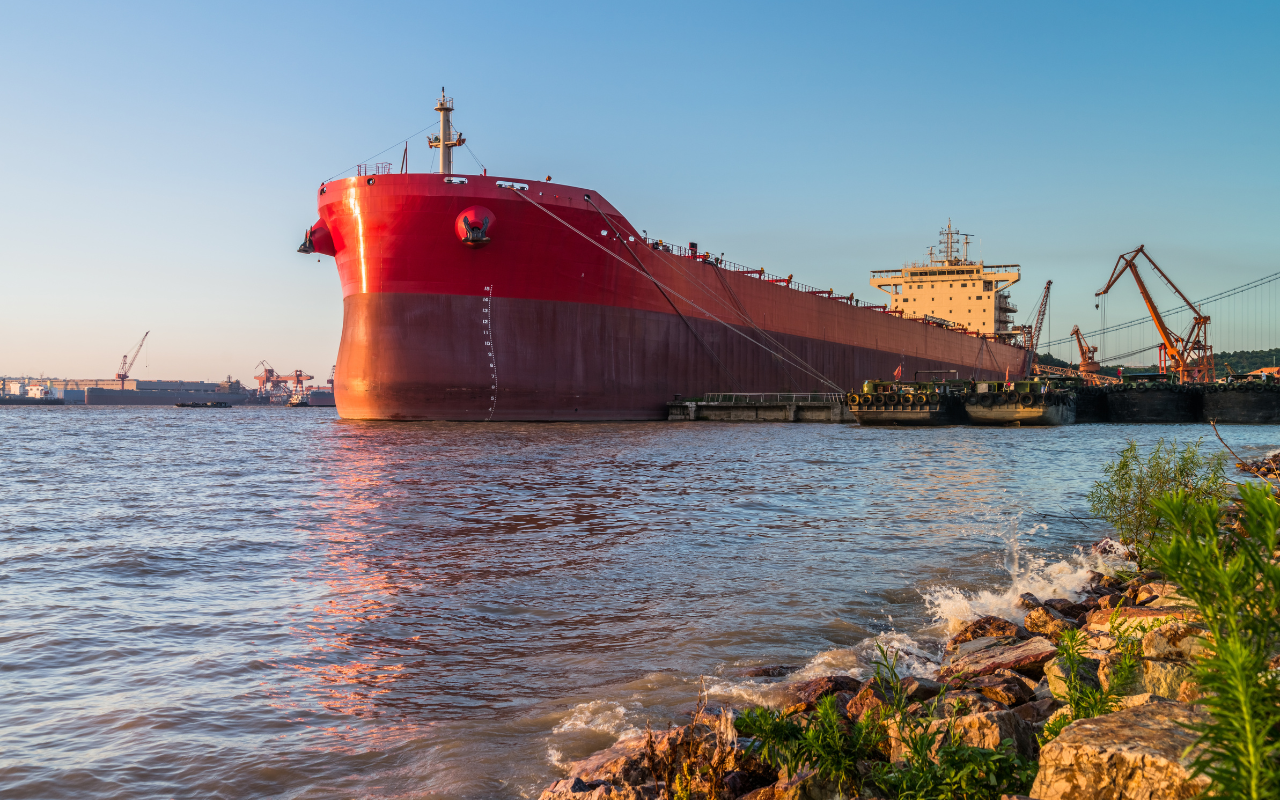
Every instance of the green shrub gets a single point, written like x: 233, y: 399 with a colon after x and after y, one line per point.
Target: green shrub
x: 1232, y: 576
x: 1126, y: 498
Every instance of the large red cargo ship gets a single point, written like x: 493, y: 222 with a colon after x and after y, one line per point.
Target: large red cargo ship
x: 471, y: 297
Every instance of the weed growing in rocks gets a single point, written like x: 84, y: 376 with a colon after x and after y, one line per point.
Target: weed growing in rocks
x: 1087, y: 698
x: 1232, y: 574
x: 822, y: 741
x: 1126, y: 498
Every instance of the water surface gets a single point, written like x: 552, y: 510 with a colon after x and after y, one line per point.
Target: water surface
x: 261, y: 602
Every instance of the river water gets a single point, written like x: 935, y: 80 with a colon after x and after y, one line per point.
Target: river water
x: 275, y: 603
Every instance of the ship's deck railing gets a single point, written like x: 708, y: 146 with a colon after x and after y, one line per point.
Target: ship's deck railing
x: 787, y: 281
x: 946, y: 270
x: 684, y: 252
x: 767, y: 398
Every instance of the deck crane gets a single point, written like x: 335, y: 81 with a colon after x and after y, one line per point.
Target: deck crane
x: 1033, y: 341
x: 1191, y: 354
x: 126, y: 361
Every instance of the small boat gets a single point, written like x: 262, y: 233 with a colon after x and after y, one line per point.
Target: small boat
x: 1015, y: 403
x: 912, y: 404
x: 215, y: 404
x: 298, y: 401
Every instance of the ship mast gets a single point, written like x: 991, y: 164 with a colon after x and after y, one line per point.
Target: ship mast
x: 444, y: 140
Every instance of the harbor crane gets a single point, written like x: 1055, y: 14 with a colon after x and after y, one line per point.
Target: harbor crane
x: 1088, y: 355
x: 1191, y: 354
x: 1033, y: 340
x: 126, y: 361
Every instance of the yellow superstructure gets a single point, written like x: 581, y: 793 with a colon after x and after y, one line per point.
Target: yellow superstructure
x: 951, y: 289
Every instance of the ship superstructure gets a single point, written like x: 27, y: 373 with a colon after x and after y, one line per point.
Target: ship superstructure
x: 949, y: 289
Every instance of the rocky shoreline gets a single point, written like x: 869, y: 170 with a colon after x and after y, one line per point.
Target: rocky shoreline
x: 1000, y: 681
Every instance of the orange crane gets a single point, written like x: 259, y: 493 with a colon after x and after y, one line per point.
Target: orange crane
x: 269, y: 380
x: 1033, y: 336
x: 298, y: 377
x: 1088, y: 362
x: 126, y: 361
x: 1191, y: 354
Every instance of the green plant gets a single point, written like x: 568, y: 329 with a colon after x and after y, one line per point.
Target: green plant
x: 1126, y: 498
x: 1232, y: 576
x: 822, y: 741
x: 1085, y: 700
x: 937, y: 765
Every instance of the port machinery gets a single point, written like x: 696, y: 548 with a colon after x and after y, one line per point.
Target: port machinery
x: 127, y: 361
x: 1190, y: 355
x: 274, y: 387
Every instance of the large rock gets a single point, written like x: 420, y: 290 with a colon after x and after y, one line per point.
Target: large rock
x: 1135, y: 753
x: 1150, y: 616
x: 961, y: 703
x: 1027, y: 657
x: 803, y: 696
x: 805, y: 785
x: 987, y: 626
x: 623, y: 763
x: 920, y: 689
x: 986, y: 730
x: 1055, y: 672
x: 577, y: 789
x: 868, y: 705
x: 1174, y: 641
x: 1001, y: 688
x: 1152, y: 675
x: 1047, y: 622
x: 1037, y: 711
x: 1070, y: 609
x: 1150, y: 591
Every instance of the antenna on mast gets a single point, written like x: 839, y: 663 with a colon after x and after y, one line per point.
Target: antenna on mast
x: 443, y: 140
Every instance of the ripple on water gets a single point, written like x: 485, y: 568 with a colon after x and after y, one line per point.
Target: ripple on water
x: 275, y: 603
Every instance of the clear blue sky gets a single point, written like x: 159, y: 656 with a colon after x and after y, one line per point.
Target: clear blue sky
x: 162, y: 159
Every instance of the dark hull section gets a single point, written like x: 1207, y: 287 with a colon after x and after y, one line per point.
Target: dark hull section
x: 428, y: 356
x: 1091, y: 405
x: 1154, y: 405
x: 1259, y: 406
x: 97, y: 396
x: 910, y: 416
x: 32, y: 401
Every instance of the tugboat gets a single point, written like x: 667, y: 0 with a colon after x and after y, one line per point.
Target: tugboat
x: 915, y: 403
x: 214, y: 404
x: 1036, y: 401
x: 298, y: 400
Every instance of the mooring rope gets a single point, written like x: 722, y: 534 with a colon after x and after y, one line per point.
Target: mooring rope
x: 672, y: 291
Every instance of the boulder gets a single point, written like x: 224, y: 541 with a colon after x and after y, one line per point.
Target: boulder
x: 987, y: 730
x: 1149, y: 616
x: 1028, y: 601
x: 1134, y: 753
x: 1152, y: 675
x: 987, y: 626
x: 1055, y: 673
x: 1144, y: 699
x: 964, y: 702
x: 1070, y: 609
x: 1174, y: 640
x: 868, y: 705
x: 804, y: 695
x: 1114, y: 601
x: 1037, y: 711
x: 1027, y: 657
x: 805, y: 785
x: 1150, y: 591
x: 1047, y: 622
x: 1189, y: 692
x: 577, y: 789
x: 1001, y: 688
x: 920, y: 689
x: 623, y: 763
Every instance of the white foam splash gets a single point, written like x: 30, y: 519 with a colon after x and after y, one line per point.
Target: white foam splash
x: 600, y: 716
x: 952, y: 607
x: 556, y: 759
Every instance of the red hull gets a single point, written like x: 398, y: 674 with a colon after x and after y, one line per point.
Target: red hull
x: 541, y: 324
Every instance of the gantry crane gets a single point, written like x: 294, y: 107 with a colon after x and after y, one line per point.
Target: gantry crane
x: 299, y: 378
x: 1033, y: 336
x: 126, y: 361
x: 1191, y: 354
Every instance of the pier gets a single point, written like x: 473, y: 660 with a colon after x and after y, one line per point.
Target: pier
x: 761, y: 407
